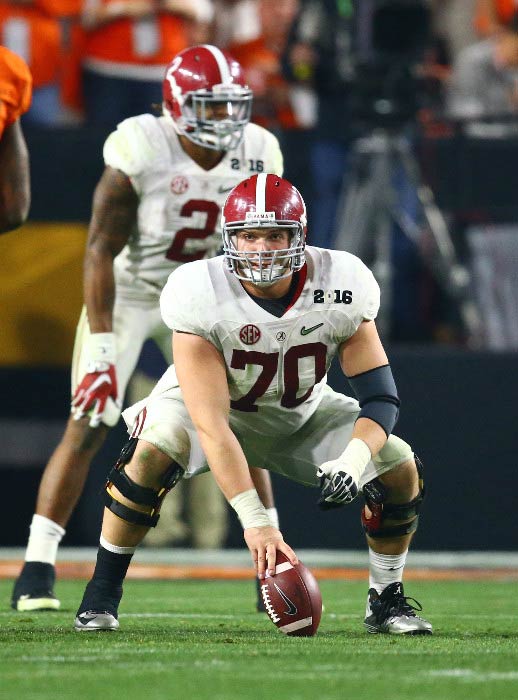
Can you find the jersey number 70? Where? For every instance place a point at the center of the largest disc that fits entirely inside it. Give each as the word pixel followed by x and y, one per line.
pixel 269 361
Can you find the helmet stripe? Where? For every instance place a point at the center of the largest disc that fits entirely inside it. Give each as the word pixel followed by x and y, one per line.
pixel 260 193
pixel 220 59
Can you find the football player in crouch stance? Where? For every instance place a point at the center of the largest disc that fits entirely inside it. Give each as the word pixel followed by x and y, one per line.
pixel 254 333
pixel 156 207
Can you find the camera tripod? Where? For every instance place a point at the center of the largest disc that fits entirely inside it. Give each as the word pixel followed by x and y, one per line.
pixel 369 207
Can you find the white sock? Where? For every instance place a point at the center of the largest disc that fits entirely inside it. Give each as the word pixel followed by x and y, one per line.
pixel 114 548
pixel 44 540
pixel 385 569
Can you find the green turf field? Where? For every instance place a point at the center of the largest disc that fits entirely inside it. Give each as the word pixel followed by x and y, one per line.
pixel 204 640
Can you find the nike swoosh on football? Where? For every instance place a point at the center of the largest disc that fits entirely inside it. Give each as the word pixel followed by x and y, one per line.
pixel 292 608
pixel 222 190
pixel 305 331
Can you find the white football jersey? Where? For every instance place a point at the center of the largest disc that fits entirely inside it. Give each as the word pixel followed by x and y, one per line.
pixel 276 367
pixel 180 202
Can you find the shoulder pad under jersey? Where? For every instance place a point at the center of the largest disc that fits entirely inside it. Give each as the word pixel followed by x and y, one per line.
pixel 267 147
pixel 135 144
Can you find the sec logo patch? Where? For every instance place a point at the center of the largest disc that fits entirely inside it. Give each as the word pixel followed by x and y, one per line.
pixel 249 334
pixel 179 184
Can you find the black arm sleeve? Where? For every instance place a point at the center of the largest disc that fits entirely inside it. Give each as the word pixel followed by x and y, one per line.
pixel 377 395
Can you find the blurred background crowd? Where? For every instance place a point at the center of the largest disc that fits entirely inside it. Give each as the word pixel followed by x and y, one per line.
pixel 437 79
pixel 398 121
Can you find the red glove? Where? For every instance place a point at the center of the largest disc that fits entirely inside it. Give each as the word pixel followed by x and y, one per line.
pixel 98 385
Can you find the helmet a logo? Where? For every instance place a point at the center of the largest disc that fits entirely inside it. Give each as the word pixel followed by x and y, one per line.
pixel 176 90
pixel 249 334
pixel 179 184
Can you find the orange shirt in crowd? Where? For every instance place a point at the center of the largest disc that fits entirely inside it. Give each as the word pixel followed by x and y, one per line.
pixel 15 88
pixel 145 42
pixel 504 11
pixel 35 35
pixel 272 107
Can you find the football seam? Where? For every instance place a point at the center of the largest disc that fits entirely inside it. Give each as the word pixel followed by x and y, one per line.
pixel 274 617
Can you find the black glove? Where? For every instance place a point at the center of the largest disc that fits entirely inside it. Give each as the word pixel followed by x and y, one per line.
pixel 337 490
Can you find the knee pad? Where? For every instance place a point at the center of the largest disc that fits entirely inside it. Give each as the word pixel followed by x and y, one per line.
pixel 142 495
pixel 376 494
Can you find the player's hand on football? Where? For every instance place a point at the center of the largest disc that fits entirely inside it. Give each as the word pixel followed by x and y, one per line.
pixel 263 543
pixel 337 486
pixel 97 386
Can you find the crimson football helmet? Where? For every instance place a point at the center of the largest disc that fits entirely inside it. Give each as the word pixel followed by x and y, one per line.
pixel 205 94
pixel 264 201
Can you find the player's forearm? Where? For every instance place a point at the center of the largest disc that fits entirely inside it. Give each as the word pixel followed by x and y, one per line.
pixel 227 461
pixel 99 290
pixel 263 484
pixel 371 433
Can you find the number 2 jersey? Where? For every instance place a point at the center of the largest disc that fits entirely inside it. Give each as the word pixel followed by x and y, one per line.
pixel 276 367
pixel 178 218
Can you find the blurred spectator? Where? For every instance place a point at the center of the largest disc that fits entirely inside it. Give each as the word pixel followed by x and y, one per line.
pixel 260 59
pixel 128 44
pixel 28 28
pixel 453 23
pixel 15 98
pixel 493 15
pixel 235 22
pixel 484 82
pixel 319 53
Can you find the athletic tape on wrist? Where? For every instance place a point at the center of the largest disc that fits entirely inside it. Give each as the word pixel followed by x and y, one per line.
pixel 354 459
pixel 250 510
pixel 101 347
pixel 274 516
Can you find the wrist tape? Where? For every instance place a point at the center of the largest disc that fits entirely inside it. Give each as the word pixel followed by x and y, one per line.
pixel 354 459
pixel 250 510
pixel 101 348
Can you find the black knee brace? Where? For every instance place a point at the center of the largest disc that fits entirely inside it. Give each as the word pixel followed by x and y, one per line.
pixel 141 495
pixel 376 493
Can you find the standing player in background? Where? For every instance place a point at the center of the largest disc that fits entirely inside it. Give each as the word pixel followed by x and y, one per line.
pixel 156 207
pixel 254 334
pixel 15 99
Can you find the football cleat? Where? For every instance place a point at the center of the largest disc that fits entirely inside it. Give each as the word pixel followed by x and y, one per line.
pixel 33 589
pixel 96 621
pixel 391 612
pixel 98 609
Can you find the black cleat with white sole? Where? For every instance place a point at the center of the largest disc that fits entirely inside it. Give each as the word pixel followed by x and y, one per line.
pixel 391 612
pixel 34 588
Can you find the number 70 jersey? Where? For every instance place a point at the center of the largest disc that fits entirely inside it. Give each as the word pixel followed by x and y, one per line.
pixel 276 367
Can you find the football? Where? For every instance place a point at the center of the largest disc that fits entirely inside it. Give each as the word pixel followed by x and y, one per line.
pixel 292 598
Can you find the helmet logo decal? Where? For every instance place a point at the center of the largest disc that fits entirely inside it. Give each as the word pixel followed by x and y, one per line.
pixel 252 217
pixel 179 184
pixel 249 334
pixel 176 90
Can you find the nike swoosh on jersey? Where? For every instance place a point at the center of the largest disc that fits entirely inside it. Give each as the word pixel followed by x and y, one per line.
pixel 292 608
pixel 305 331
pixel 222 190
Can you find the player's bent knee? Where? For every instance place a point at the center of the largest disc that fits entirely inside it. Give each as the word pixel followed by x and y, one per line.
pixel 148 498
pixel 391 519
pixel 394 452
